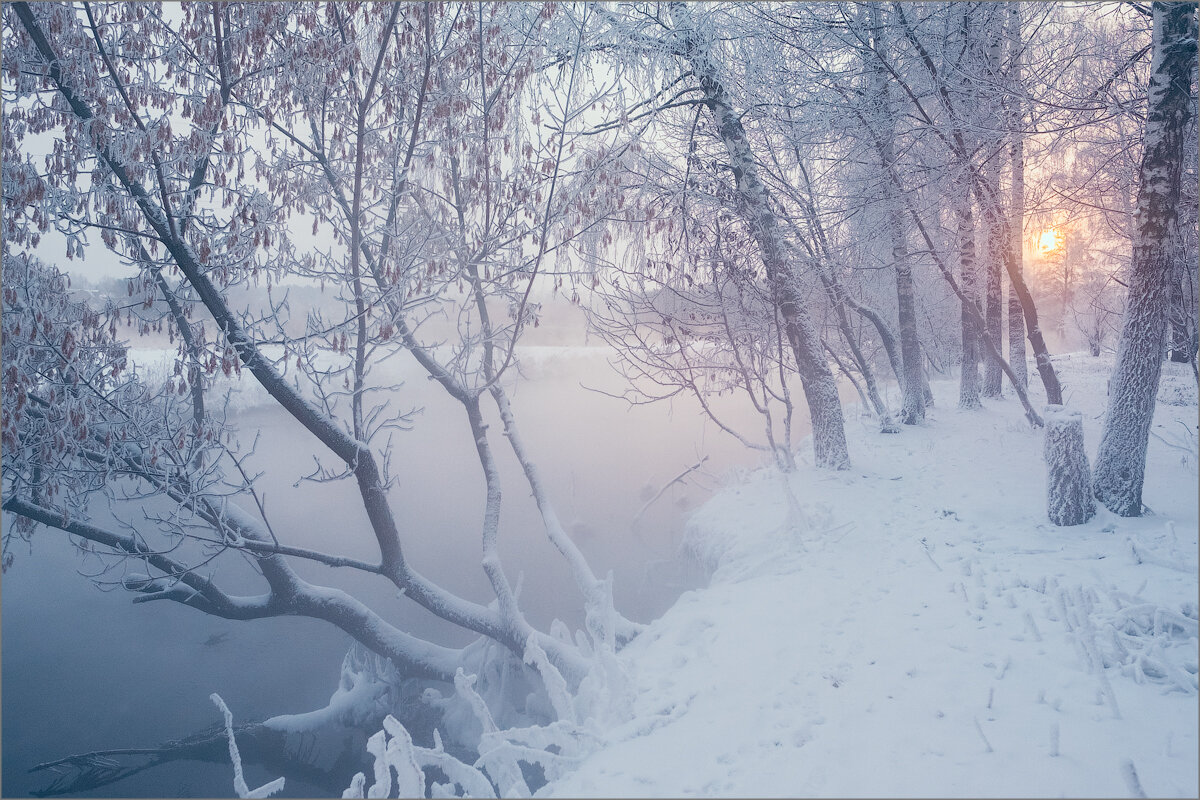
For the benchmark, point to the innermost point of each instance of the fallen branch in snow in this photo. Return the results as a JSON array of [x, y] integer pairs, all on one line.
[[1129, 773], [1144, 640], [1142, 557], [929, 555], [979, 729], [1078, 607], [1188, 443]]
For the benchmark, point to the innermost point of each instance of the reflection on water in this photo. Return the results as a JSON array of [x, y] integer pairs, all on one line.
[[85, 670]]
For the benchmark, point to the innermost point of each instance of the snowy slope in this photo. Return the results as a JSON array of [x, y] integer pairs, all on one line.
[[915, 627]]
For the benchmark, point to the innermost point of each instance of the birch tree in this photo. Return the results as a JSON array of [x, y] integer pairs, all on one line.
[[913, 411], [989, 119], [970, 382], [984, 187], [1016, 133], [692, 45], [1121, 460]]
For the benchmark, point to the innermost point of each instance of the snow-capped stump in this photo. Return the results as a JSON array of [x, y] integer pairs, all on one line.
[[1068, 478]]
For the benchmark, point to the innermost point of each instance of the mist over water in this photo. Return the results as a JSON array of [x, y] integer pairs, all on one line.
[[87, 670]]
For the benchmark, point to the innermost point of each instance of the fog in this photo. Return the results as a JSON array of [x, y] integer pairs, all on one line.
[[85, 669]]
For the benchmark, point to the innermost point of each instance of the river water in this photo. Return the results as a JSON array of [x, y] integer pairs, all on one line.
[[84, 669]]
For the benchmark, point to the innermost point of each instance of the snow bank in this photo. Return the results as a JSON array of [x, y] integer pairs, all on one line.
[[917, 627]]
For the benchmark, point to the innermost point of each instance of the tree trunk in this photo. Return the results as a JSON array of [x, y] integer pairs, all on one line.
[[969, 380], [840, 300], [1016, 319], [1037, 341], [1030, 414], [913, 406], [993, 289], [1121, 461], [1016, 337], [994, 313], [836, 292], [829, 277], [1068, 480], [886, 337], [754, 201], [990, 173], [1181, 347], [989, 204]]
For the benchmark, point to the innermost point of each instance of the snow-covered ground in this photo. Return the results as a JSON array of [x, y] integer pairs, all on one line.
[[915, 626]]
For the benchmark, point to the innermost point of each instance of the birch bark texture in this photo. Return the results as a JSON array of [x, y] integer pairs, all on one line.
[[1016, 317], [1121, 461], [970, 382], [754, 204], [990, 173]]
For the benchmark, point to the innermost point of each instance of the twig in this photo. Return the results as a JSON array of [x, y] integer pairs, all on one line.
[[929, 555], [239, 781], [1142, 557], [1129, 773], [986, 743], [638, 517]]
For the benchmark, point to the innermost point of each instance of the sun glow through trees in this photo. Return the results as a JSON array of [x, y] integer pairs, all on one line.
[[1050, 240]]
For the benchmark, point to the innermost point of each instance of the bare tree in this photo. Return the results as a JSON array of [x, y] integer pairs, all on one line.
[[829, 437], [1097, 311], [1121, 460], [987, 58], [1016, 132], [970, 385], [884, 134], [712, 335], [400, 130], [985, 188]]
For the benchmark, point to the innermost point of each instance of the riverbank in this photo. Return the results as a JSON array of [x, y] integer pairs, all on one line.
[[915, 626]]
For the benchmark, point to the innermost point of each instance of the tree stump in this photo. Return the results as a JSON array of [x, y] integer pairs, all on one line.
[[1069, 480]]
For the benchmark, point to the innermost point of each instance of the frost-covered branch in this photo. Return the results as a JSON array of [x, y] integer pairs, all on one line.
[[239, 782]]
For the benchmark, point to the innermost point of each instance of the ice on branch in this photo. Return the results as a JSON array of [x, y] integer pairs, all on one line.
[[509, 758], [239, 781], [556, 685]]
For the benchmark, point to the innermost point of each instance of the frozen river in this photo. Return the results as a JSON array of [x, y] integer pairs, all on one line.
[[86, 670]]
